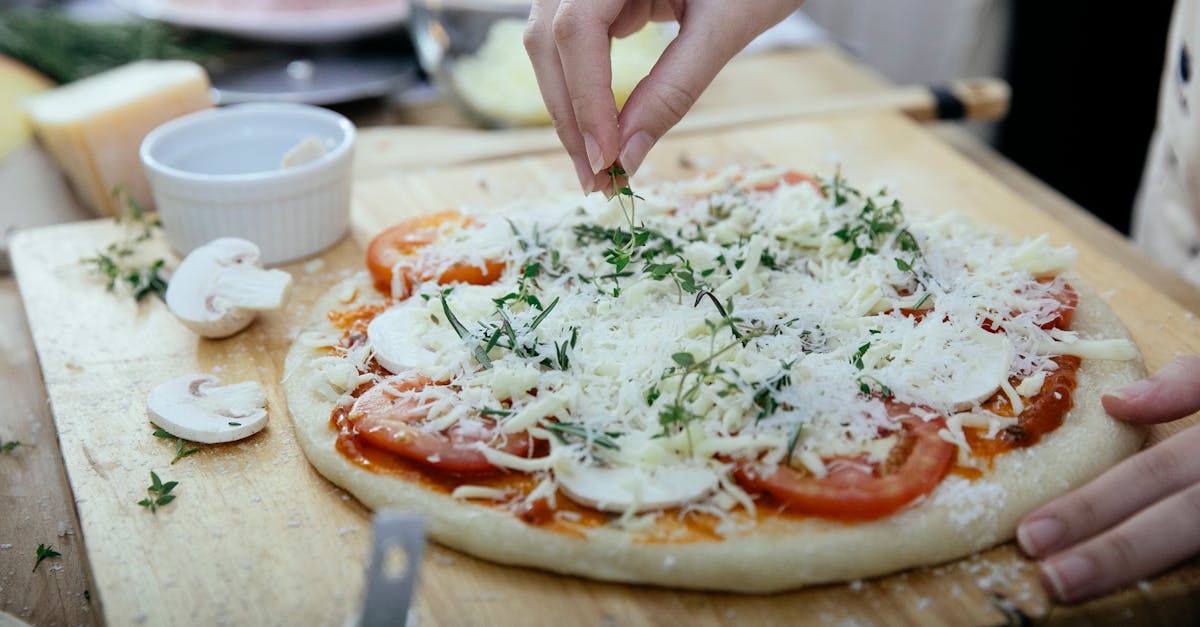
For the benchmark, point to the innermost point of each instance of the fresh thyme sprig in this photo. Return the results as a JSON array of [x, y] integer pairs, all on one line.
[[114, 262], [539, 261], [764, 393], [676, 415], [160, 493], [181, 449], [44, 552], [660, 255], [867, 383], [874, 224], [7, 447]]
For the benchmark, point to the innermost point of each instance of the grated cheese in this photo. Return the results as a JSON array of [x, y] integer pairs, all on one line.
[[601, 377]]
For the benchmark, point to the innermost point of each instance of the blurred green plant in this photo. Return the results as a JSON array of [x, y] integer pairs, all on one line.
[[67, 49]]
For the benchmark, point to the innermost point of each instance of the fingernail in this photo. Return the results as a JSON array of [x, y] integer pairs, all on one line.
[[1072, 572], [595, 157], [635, 151], [587, 180], [1133, 390], [1039, 535]]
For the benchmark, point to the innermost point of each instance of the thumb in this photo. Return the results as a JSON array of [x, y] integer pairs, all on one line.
[[661, 99], [1172, 392]]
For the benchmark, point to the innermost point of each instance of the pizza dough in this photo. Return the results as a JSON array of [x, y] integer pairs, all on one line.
[[959, 518]]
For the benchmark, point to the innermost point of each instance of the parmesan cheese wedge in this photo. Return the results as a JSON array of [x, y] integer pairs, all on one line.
[[93, 127], [622, 489]]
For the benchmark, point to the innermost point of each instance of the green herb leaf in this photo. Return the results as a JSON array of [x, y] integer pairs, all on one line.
[[686, 360], [792, 442], [481, 355], [857, 359], [141, 280], [44, 551], [160, 493], [7, 447]]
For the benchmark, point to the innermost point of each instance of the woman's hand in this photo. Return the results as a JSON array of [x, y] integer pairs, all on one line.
[[568, 42], [1140, 516]]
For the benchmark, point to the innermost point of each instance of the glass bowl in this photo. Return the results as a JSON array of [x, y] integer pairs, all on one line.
[[473, 49]]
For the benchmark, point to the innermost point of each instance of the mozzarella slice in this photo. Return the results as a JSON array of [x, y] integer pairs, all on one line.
[[410, 338], [954, 368], [414, 335], [623, 488]]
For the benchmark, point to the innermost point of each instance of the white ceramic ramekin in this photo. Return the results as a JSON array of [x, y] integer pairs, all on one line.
[[218, 173]]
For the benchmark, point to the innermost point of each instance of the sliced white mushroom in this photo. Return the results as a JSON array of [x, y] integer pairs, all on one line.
[[198, 408], [220, 287], [622, 488], [415, 336], [405, 339]]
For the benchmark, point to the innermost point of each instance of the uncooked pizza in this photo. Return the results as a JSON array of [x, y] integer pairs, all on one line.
[[751, 381]]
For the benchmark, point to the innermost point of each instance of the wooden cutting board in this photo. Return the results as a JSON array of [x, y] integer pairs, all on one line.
[[257, 537]]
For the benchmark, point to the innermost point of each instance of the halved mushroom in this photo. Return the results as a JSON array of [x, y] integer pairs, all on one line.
[[621, 488], [198, 408], [219, 287]]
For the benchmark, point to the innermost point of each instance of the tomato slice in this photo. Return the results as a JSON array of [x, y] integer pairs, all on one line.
[[791, 177], [856, 491], [389, 417], [407, 238]]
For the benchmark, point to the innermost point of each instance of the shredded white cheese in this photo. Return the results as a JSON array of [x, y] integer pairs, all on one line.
[[747, 325]]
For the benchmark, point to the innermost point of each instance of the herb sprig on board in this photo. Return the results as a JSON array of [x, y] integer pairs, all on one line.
[[181, 449], [44, 552], [117, 264], [159, 493], [7, 447]]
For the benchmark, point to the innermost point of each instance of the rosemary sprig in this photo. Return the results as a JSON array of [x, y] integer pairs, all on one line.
[[563, 429], [503, 334], [480, 351], [44, 551], [68, 49], [160, 493], [792, 442]]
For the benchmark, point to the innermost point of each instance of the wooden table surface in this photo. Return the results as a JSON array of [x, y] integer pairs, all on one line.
[[36, 505]]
